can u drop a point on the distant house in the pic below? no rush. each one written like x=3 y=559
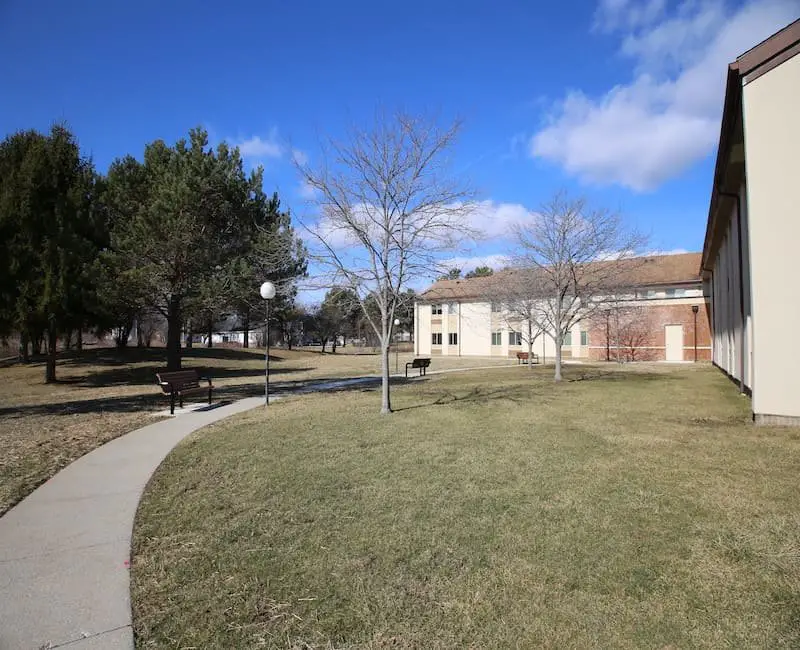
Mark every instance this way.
x=753 y=231
x=664 y=296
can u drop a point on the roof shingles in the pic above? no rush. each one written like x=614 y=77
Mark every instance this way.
x=656 y=270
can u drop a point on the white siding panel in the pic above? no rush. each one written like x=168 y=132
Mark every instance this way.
x=772 y=143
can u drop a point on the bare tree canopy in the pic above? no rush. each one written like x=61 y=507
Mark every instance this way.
x=388 y=206
x=581 y=257
x=518 y=298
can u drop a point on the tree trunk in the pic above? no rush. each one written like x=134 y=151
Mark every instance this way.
x=386 y=401
x=324 y=343
x=530 y=346
x=174 y=324
x=52 y=352
x=333 y=344
x=189 y=336
x=246 y=330
x=24 y=356
x=558 y=376
x=210 y=342
x=79 y=339
x=608 y=338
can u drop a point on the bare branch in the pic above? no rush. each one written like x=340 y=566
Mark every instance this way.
x=387 y=207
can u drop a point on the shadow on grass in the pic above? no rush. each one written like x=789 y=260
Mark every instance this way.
x=630 y=377
x=158 y=400
x=143 y=375
x=122 y=356
x=516 y=393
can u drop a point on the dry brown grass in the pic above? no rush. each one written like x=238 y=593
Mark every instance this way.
x=634 y=508
x=103 y=393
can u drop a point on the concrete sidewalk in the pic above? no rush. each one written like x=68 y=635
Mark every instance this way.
x=65 y=549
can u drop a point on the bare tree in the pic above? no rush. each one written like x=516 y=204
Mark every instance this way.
x=388 y=206
x=580 y=256
x=624 y=328
x=519 y=296
x=634 y=332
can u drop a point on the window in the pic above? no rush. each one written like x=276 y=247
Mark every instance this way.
x=497 y=307
x=452 y=338
x=226 y=338
x=497 y=338
x=514 y=338
x=436 y=310
x=452 y=307
x=650 y=293
x=436 y=338
x=584 y=338
x=679 y=293
x=670 y=293
x=567 y=339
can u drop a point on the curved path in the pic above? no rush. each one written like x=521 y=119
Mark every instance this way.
x=65 y=549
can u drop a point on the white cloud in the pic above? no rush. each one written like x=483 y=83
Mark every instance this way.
x=300 y=157
x=644 y=132
x=260 y=148
x=496 y=220
x=495 y=261
x=613 y=14
x=306 y=191
x=658 y=252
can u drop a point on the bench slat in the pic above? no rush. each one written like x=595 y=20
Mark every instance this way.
x=180 y=383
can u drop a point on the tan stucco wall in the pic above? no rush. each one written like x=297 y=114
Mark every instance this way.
x=476 y=333
x=772 y=159
x=422 y=330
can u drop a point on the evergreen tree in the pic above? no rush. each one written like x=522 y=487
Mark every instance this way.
x=52 y=236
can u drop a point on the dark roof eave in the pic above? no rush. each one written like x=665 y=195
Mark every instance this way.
x=730 y=110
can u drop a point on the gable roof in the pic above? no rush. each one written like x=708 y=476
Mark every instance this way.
x=656 y=270
x=757 y=61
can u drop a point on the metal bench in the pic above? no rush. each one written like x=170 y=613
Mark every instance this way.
x=421 y=363
x=178 y=383
x=522 y=357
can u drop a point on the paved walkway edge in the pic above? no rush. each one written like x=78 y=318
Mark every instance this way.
x=65 y=549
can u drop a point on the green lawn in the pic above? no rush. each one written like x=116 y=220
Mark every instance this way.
x=103 y=393
x=625 y=508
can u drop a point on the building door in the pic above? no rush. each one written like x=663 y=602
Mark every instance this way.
x=673 y=335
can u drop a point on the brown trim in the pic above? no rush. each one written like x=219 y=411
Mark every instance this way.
x=768 y=49
x=749 y=66
x=773 y=63
x=731 y=111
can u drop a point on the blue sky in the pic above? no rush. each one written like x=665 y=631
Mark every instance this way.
x=619 y=100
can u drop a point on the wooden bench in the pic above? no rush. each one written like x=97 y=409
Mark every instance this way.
x=182 y=382
x=522 y=357
x=421 y=362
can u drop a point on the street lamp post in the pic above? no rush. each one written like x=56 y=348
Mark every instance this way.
x=695 y=309
x=267 y=293
x=396 y=351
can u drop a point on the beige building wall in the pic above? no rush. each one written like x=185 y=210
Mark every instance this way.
x=422 y=330
x=476 y=332
x=730 y=350
x=771 y=106
x=445 y=348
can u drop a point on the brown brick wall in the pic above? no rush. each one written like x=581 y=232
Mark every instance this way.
x=650 y=344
